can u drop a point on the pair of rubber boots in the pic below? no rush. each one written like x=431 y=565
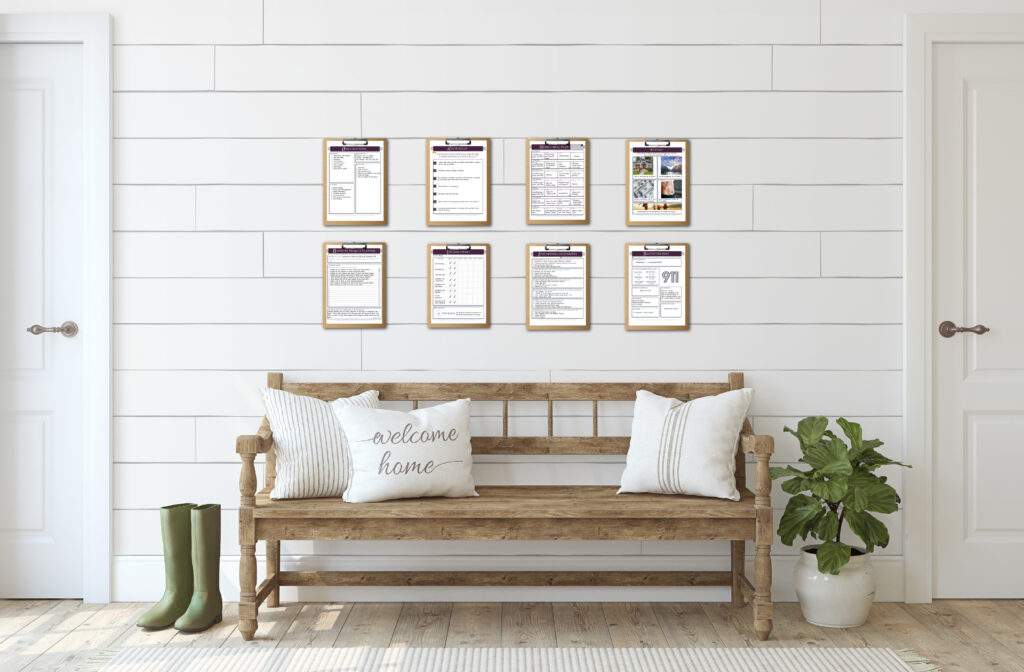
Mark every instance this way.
x=191 y=601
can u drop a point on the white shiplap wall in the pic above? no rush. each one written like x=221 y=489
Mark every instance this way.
x=794 y=110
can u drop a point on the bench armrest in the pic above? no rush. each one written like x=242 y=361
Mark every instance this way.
x=253 y=444
x=757 y=444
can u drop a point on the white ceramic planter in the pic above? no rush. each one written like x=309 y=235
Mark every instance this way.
x=834 y=601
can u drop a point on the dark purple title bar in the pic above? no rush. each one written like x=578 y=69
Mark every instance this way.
x=655 y=253
x=550 y=146
x=353 y=250
x=560 y=253
x=444 y=251
x=355 y=148
x=658 y=150
x=458 y=148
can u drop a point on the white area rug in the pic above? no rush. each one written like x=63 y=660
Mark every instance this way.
x=148 y=659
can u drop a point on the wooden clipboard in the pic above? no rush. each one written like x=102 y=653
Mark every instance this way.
x=683 y=219
x=685 y=273
x=355 y=142
x=454 y=249
x=556 y=247
x=454 y=143
x=383 y=287
x=554 y=143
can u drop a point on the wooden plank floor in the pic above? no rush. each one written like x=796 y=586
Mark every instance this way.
x=958 y=634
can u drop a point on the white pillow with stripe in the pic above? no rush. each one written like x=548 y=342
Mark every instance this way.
x=685 y=448
x=312 y=453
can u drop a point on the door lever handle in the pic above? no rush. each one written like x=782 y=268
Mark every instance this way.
x=68 y=329
x=948 y=329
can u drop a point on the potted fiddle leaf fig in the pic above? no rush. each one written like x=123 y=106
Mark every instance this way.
x=833 y=580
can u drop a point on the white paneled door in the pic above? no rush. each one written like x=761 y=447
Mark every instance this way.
x=978 y=275
x=40 y=284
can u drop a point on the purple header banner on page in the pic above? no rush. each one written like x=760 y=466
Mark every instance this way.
x=353 y=250
x=444 y=251
x=457 y=148
x=355 y=148
x=559 y=253
x=658 y=150
x=575 y=145
x=656 y=253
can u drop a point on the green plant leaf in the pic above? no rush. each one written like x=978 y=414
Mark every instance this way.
x=800 y=512
x=827 y=527
x=780 y=472
x=871 y=530
x=795 y=486
x=868 y=492
x=829 y=458
x=833 y=556
x=809 y=430
x=853 y=432
x=871 y=459
x=831 y=489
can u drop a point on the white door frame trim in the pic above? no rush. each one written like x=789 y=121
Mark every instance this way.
x=93 y=32
x=922 y=33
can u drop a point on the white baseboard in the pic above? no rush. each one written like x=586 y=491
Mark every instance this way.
x=141 y=579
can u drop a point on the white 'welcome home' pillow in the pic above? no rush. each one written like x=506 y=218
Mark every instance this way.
x=685 y=448
x=312 y=458
x=395 y=455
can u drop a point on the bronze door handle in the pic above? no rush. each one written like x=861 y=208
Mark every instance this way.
x=68 y=329
x=948 y=329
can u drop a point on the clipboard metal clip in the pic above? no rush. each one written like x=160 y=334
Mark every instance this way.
x=458 y=246
x=458 y=141
x=657 y=143
x=355 y=141
x=557 y=141
x=558 y=246
x=354 y=246
x=657 y=246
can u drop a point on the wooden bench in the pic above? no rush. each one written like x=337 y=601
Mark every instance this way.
x=510 y=512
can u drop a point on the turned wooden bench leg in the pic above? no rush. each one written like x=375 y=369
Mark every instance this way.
x=737 y=550
x=763 y=542
x=247 y=608
x=274 y=569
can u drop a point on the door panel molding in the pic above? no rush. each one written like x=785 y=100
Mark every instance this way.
x=93 y=32
x=921 y=33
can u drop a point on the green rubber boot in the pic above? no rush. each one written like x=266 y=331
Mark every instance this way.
x=205 y=608
x=175 y=527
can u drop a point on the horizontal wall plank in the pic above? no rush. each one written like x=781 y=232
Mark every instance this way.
x=147 y=208
x=876 y=254
x=217 y=161
x=231 y=347
x=714 y=301
x=300 y=208
x=162 y=68
x=713 y=347
x=182 y=22
x=215 y=437
x=702 y=115
x=154 y=439
x=237 y=393
x=235 y=115
x=212 y=255
x=837 y=68
x=595 y=22
x=401 y=67
x=714 y=254
x=782 y=393
x=825 y=208
x=881 y=21
x=217 y=301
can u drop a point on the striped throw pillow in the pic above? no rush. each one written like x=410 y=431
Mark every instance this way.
x=685 y=448
x=312 y=452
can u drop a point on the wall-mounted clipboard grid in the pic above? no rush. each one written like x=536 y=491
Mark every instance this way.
x=557 y=181
x=355 y=285
x=355 y=174
x=459 y=286
x=458 y=182
x=657 y=286
x=658 y=182
x=557 y=286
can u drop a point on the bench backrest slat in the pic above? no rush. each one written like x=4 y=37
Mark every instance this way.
x=506 y=392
